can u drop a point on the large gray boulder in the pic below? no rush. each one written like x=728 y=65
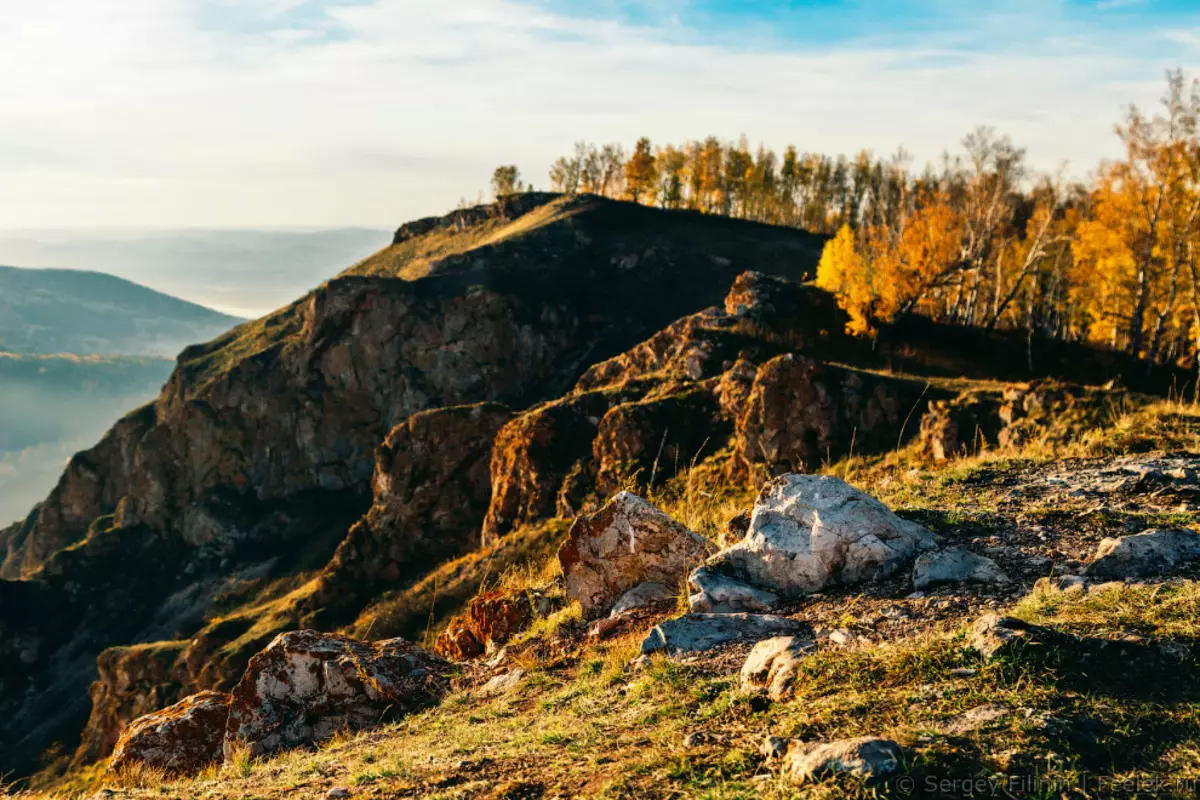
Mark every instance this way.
x=695 y=633
x=626 y=543
x=810 y=532
x=1149 y=554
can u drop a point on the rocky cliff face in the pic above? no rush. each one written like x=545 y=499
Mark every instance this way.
x=260 y=452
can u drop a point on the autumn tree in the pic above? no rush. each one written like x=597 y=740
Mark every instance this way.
x=672 y=163
x=641 y=172
x=974 y=238
x=1140 y=239
x=506 y=180
x=565 y=175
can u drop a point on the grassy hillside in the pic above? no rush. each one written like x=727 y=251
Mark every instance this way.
x=46 y=311
x=582 y=722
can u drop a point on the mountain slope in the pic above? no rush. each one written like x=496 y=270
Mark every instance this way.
x=369 y=456
x=258 y=455
x=46 y=311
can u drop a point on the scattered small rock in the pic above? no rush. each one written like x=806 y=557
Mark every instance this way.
x=954 y=565
x=639 y=663
x=773 y=665
x=503 y=682
x=701 y=738
x=1149 y=554
x=975 y=719
x=694 y=633
x=773 y=748
x=994 y=636
x=716 y=593
x=841 y=636
x=866 y=757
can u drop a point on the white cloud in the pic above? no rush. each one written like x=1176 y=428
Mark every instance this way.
x=132 y=112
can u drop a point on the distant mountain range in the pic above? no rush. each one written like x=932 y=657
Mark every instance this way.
x=242 y=272
x=77 y=350
x=44 y=311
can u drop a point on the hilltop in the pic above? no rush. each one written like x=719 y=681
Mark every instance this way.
x=48 y=311
x=444 y=415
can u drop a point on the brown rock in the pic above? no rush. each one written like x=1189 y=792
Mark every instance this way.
x=181 y=739
x=307 y=686
x=490 y=619
x=533 y=456
x=625 y=543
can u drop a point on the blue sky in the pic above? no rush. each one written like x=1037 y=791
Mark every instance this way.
x=241 y=113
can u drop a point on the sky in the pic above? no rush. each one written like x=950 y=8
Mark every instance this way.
x=324 y=113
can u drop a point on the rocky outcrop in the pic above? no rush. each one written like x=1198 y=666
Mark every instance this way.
x=132 y=682
x=1150 y=554
x=307 y=686
x=656 y=438
x=541 y=460
x=761 y=316
x=506 y=208
x=800 y=412
x=431 y=488
x=1046 y=410
x=181 y=739
x=960 y=425
x=809 y=532
x=92 y=485
x=626 y=543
